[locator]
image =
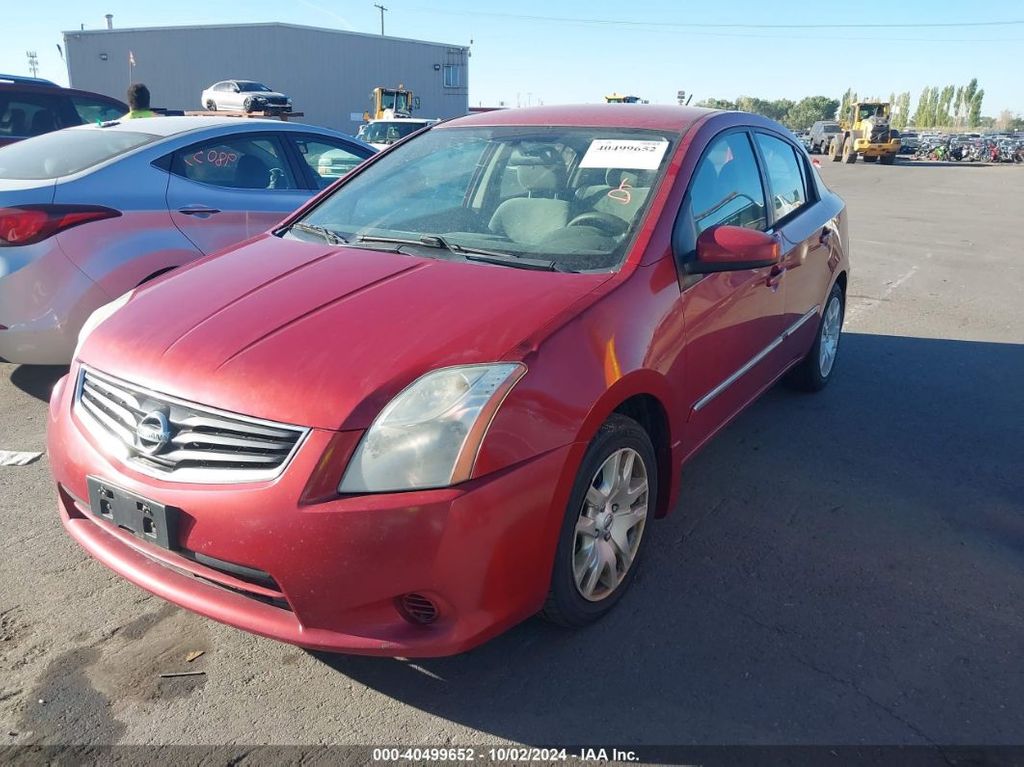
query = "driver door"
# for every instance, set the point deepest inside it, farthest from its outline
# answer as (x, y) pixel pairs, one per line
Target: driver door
(225, 190)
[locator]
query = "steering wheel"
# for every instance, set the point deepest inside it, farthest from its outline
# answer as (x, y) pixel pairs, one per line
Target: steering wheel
(606, 223)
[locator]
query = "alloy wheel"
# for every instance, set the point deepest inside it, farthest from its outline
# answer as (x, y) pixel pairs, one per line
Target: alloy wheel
(830, 327)
(610, 524)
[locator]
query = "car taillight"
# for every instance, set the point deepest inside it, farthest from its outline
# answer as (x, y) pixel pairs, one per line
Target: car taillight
(28, 224)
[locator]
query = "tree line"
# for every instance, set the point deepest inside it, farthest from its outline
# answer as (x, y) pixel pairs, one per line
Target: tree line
(937, 107)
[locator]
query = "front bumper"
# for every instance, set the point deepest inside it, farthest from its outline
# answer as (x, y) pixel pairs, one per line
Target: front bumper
(43, 305)
(482, 552)
(865, 147)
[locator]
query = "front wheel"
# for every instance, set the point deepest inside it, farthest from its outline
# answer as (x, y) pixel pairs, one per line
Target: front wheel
(211, 105)
(602, 535)
(835, 150)
(815, 370)
(849, 156)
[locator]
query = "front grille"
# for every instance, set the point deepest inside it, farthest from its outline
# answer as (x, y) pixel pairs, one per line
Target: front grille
(181, 441)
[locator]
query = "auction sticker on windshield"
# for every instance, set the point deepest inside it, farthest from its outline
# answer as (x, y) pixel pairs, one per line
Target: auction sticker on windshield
(624, 153)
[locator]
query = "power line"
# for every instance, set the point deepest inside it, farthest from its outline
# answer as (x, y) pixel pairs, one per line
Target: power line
(730, 25)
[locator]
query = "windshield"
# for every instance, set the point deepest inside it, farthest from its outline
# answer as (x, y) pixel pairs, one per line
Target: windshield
(570, 196)
(396, 100)
(389, 132)
(64, 152)
(247, 86)
(830, 128)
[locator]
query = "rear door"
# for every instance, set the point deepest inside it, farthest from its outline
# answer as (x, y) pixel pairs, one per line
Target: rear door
(226, 189)
(805, 232)
(733, 320)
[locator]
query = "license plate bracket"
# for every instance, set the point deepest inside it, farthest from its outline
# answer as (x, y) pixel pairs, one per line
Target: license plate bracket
(145, 519)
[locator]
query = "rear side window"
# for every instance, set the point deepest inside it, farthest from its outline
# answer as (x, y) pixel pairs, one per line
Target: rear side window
(236, 162)
(329, 160)
(92, 111)
(785, 180)
(28, 114)
(65, 152)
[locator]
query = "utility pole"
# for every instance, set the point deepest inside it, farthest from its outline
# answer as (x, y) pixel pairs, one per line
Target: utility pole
(33, 62)
(382, 9)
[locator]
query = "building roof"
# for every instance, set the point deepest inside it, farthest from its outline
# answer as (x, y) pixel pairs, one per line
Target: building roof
(279, 24)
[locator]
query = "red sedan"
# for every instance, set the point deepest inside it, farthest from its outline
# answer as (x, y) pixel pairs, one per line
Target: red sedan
(456, 388)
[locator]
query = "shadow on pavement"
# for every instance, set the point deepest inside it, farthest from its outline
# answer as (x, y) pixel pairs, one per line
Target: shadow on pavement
(38, 380)
(846, 567)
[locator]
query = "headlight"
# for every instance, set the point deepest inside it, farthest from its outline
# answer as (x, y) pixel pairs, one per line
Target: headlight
(98, 317)
(429, 434)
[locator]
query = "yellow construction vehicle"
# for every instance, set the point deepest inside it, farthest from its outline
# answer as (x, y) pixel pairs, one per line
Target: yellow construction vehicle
(391, 102)
(615, 98)
(864, 130)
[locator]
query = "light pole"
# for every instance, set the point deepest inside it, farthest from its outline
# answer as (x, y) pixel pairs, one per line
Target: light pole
(33, 62)
(382, 9)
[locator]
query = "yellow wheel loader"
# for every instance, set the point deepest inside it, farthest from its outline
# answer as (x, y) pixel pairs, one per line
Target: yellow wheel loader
(865, 131)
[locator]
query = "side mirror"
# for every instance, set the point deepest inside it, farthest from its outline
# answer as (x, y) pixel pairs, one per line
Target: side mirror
(415, 102)
(733, 248)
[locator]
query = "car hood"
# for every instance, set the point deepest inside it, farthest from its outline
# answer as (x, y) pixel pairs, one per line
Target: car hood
(264, 94)
(317, 336)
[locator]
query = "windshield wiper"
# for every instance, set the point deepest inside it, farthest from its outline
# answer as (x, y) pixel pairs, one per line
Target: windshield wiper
(332, 237)
(470, 254)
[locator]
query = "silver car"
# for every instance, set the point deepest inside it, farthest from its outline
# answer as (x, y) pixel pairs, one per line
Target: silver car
(244, 95)
(89, 213)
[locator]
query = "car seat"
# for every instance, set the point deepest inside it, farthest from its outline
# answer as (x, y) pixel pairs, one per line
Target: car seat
(530, 219)
(251, 173)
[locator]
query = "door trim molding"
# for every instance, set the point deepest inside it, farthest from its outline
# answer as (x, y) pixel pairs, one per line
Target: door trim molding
(749, 364)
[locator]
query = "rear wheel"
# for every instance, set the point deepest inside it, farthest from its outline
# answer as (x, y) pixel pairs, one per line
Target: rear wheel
(871, 158)
(849, 156)
(603, 531)
(888, 159)
(815, 370)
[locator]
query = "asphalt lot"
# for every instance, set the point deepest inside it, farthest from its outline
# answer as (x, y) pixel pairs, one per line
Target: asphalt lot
(843, 568)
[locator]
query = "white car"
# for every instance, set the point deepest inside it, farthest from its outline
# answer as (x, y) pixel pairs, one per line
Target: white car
(244, 95)
(383, 133)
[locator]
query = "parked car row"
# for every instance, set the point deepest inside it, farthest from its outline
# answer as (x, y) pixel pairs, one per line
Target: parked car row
(450, 391)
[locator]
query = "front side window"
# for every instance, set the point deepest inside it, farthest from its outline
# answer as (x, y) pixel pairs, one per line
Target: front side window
(726, 189)
(786, 182)
(62, 153)
(236, 162)
(571, 197)
(328, 160)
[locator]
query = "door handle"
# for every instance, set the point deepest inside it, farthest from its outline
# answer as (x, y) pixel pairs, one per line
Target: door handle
(199, 211)
(775, 276)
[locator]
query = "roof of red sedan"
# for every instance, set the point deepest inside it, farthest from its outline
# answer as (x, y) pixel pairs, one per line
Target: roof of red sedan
(650, 116)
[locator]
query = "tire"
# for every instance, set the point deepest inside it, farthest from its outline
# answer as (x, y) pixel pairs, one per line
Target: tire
(249, 104)
(811, 373)
(872, 158)
(211, 105)
(888, 159)
(849, 156)
(834, 152)
(566, 604)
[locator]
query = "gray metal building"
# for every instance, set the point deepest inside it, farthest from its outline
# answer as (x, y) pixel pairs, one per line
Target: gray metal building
(328, 73)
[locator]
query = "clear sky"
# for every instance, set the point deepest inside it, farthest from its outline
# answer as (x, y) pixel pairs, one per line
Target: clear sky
(532, 51)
